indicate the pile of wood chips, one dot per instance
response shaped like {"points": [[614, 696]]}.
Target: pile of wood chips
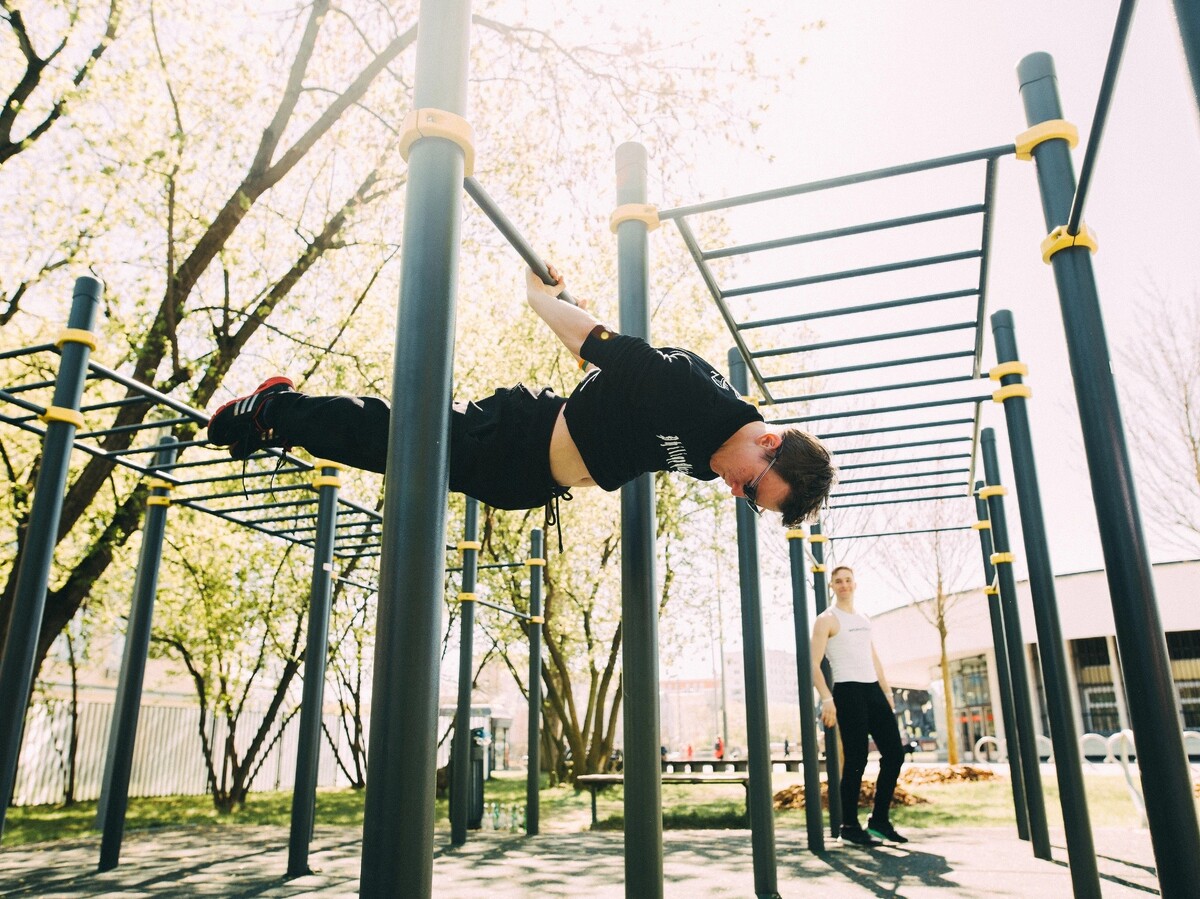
{"points": [[946, 775], [793, 797]]}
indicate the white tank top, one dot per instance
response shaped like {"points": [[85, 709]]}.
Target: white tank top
{"points": [[849, 650]]}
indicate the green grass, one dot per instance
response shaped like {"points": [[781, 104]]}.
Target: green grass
{"points": [[563, 809]]}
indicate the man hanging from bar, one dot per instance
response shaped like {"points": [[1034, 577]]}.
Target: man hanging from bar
{"points": [[641, 409]]}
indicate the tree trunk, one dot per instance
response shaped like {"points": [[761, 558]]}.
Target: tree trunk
{"points": [[947, 690]]}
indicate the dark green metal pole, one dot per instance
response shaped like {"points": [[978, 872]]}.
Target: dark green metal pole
{"points": [[397, 850], [804, 681], [639, 598], [460, 762], [1064, 733], [1163, 763], [1012, 745], [1187, 16], [758, 728], [533, 775], [29, 597], [833, 763], [1026, 731], [118, 763], [316, 652]]}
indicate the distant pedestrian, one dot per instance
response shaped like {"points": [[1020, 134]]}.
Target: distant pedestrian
{"points": [[719, 749]]}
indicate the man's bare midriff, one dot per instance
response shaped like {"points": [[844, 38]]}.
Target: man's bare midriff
{"points": [[566, 465]]}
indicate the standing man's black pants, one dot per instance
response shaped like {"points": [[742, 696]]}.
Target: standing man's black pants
{"points": [[863, 710]]}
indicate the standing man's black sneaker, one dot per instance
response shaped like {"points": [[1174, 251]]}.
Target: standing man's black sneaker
{"points": [[858, 836], [885, 831], [239, 423]]}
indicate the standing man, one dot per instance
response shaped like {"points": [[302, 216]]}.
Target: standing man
{"points": [[860, 704]]}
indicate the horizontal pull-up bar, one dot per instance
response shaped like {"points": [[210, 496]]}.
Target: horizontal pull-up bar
{"points": [[881, 269], [896, 502], [892, 428], [885, 410], [854, 310], [848, 231], [842, 181], [906, 476], [868, 366], [916, 461], [965, 527], [877, 388], [868, 338], [887, 490], [907, 445]]}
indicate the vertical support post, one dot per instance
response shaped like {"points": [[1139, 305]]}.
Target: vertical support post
{"points": [[804, 681], [533, 776], [402, 757], [833, 762], [1187, 16], [1022, 699], [639, 599], [316, 652], [1166, 781], [758, 728], [118, 762], [1012, 743], [29, 597], [1118, 681], [460, 762]]}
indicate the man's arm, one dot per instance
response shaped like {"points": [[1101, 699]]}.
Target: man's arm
{"points": [[570, 323], [820, 639], [883, 684]]}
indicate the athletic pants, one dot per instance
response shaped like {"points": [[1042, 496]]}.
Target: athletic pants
{"points": [[863, 710]]}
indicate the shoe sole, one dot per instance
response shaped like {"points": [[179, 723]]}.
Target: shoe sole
{"points": [[883, 837]]}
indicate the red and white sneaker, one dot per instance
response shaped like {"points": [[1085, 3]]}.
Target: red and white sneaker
{"points": [[239, 423]]}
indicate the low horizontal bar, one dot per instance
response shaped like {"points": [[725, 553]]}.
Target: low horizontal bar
{"points": [[867, 338], [884, 410], [878, 388], [965, 527], [949, 422], [524, 616], [896, 502], [916, 461], [848, 231], [118, 404], [885, 490], [908, 475], [840, 181], [143, 450], [908, 445], [491, 565], [854, 310], [22, 404], [866, 271], [868, 366], [353, 583], [251, 491], [27, 350]]}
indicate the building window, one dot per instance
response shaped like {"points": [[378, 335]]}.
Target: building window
{"points": [[1183, 649], [1097, 696]]}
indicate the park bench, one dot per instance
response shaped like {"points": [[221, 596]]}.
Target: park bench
{"points": [[596, 782]]}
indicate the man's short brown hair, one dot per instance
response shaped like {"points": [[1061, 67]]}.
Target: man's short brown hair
{"points": [[833, 573], [807, 466]]}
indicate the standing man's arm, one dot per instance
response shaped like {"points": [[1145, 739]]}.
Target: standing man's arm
{"points": [[820, 639], [883, 684], [571, 324]]}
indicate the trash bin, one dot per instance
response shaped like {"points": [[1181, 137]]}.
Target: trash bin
{"points": [[475, 801]]}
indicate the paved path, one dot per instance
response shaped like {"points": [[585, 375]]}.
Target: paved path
{"points": [[249, 862]]}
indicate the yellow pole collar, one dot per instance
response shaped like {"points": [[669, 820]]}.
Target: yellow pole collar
{"points": [[998, 558], [76, 335], [994, 490], [818, 569], [1059, 239], [158, 501], [796, 534], [532, 562], [818, 538], [325, 463], [159, 484], [61, 413], [1012, 390], [430, 122], [536, 619], [326, 481], [469, 544], [466, 597], [982, 526], [1008, 368], [1044, 131], [634, 212], [989, 590]]}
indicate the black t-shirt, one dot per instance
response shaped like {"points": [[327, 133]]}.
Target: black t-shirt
{"points": [[650, 409]]}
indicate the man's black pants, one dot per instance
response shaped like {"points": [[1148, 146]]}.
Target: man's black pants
{"points": [[863, 710]]}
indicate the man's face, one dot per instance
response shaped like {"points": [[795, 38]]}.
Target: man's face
{"points": [[747, 463], [843, 582]]}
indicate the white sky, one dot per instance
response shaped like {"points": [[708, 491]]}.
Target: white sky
{"points": [[887, 83]]}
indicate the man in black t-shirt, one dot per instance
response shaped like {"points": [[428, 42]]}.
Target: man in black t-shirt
{"points": [[642, 409]]}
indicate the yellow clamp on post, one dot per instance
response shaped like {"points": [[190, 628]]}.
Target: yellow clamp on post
{"points": [[466, 597], [1008, 368], [1044, 131], [469, 544], [76, 335], [1059, 239], [430, 122], [536, 619], [160, 484], [1012, 390], [61, 413], [818, 538], [995, 490], [325, 463], [989, 590], [981, 526], [752, 400], [634, 212], [998, 558], [158, 500], [326, 481], [532, 562], [818, 569], [796, 534]]}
